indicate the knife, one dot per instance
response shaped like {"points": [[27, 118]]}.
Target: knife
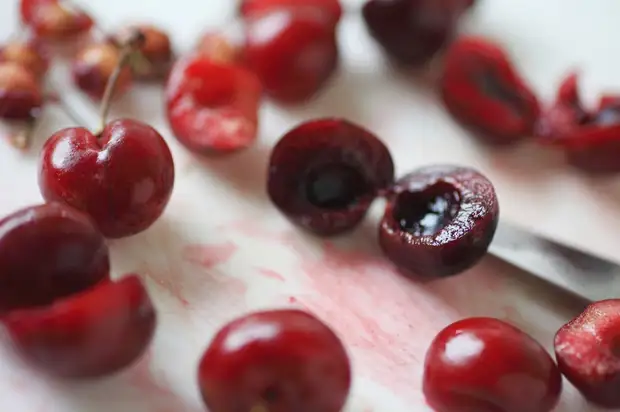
{"points": [[580, 273]]}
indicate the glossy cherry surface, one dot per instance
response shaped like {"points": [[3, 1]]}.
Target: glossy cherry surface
{"points": [[48, 252], [587, 351], [55, 19], [324, 174], [211, 106], [96, 333], [123, 178], [155, 55], [293, 52], [27, 54], [439, 220], [276, 361], [20, 92], [331, 8], [486, 365], [93, 66]]}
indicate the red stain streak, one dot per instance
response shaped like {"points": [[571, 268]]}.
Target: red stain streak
{"points": [[271, 274], [209, 256], [168, 283]]}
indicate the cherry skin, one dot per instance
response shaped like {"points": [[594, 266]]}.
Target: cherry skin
{"points": [[53, 246], [28, 54], [331, 8], [89, 335], [486, 365], [122, 178], [20, 93], [92, 69], [293, 52], [212, 107], [276, 361], [55, 19]]}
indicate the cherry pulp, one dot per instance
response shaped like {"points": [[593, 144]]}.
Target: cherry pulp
{"points": [[55, 19], [27, 54], [20, 93], [224, 47], [276, 361], [331, 8], [486, 365], [439, 220]]}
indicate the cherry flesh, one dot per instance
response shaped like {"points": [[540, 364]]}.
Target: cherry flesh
{"points": [[20, 93], [123, 177], [93, 67], [486, 365], [96, 333], [293, 52], [439, 221], [48, 252], [28, 54], [276, 361], [154, 57], [331, 8], [324, 174], [212, 107], [55, 19], [412, 32], [221, 47], [587, 350]]}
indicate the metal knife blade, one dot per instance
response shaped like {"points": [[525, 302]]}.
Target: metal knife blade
{"points": [[580, 273]]}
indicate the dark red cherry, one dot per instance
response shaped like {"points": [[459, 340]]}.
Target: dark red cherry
{"points": [[439, 221], [331, 8], [412, 32], [324, 174], [93, 66], [276, 361], [212, 106], [587, 351], [28, 54], [486, 365], [92, 334], [55, 19], [122, 178], [293, 52], [20, 92], [48, 252]]}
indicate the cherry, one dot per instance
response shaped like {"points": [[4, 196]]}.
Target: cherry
{"points": [[92, 334], [587, 352], [20, 92], [154, 57], [276, 361], [28, 54], [212, 106], [48, 252], [439, 220], [412, 32], [55, 19], [324, 174], [486, 365], [332, 8], [93, 67], [220, 47], [293, 51]]}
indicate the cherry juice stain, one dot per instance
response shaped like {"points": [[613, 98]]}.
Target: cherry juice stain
{"points": [[271, 274], [209, 256]]}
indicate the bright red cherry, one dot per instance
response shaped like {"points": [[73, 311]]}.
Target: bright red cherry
{"points": [[55, 19], [211, 106], [486, 365], [27, 54], [92, 334], [293, 52], [20, 92], [122, 177], [276, 361], [331, 8]]}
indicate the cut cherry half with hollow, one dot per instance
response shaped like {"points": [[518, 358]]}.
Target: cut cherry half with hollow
{"points": [[439, 220], [94, 333], [331, 8], [55, 19], [324, 174], [20, 92], [482, 89], [293, 52], [276, 361], [588, 352], [487, 365], [212, 106], [28, 54]]}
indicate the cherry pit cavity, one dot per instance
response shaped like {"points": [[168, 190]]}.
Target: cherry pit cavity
{"points": [[67, 316]]}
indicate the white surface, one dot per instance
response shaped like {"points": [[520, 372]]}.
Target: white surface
{"points": [[245, 256]]}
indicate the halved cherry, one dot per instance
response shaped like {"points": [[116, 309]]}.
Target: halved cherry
{"points": [[20, 92], [211, 106], [28, 54], [55, 19], [92, 334], [225, 46], [331, 8]]}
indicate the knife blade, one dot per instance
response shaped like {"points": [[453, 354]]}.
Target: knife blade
{"points": [[578, 272]]}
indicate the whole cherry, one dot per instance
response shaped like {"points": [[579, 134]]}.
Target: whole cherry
{"points": [[20, 93], [293, 51], [586, 349], [28, 54], [439, 220], [212, 106], [277, 361], [55, 19], [122, 176], [487, 365]]}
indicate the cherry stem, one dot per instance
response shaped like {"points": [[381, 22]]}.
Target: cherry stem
{"points": [[128, 47], [23, 138]]}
